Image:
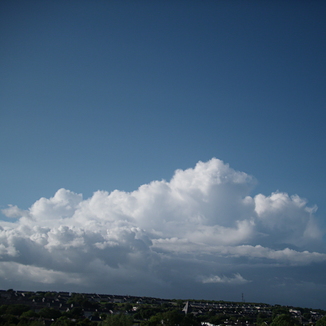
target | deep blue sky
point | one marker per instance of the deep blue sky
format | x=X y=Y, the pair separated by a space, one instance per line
x=104 y=95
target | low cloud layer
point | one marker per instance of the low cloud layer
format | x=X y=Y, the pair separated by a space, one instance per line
x=236 y=279
x=201 y=228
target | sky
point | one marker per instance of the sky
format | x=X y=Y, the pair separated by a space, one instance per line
x=170 y=149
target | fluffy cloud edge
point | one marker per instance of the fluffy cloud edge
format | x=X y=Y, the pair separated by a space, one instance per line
x=204 y=211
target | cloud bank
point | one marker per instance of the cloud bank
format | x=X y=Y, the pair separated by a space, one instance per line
x=200 y=228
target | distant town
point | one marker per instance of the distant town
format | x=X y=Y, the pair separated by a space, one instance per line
x=66 y=308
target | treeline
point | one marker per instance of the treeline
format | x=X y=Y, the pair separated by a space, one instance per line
x=104 y=313
x=22 y=315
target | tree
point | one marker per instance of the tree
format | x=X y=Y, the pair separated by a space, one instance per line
x=9 y=320
x=16 y=309
x=49 y=313
x=153 y=321
x=145 y=312
x=128 y=306
x=63 y=321
x=306 y=315
x=80 y=300
x=172 y=318
x=217 y=319
x=179 y=303
x=29 y=314
x=3 y=309
x=37 y=323
x=75 y=312
x=262 y=318
x=321 y=322
x=117 y=320
x=190 y=320
x=103 y=316
x=84 y=322
x=23 y=321
x=284 y=320
x=280 y=310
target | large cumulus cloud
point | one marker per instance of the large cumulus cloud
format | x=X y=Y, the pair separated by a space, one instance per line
x=202 y=226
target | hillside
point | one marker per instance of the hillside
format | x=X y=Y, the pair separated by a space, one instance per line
x=64 y=308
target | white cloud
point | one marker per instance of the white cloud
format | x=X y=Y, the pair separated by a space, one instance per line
x=285 y=256
x=287 y=218
x=36 y=274
x=14 y=211
x=236 y=279
x=204 y=217
x=62 y=204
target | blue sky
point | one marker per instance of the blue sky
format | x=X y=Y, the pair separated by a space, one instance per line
x=112 y=95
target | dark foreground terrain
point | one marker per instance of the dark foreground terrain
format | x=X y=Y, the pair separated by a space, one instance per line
x=24 y=308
